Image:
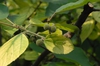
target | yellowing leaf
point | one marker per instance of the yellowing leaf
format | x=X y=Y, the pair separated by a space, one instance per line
x=12 y=49
x=58 y=44
x=58 y=32
x=87 y=28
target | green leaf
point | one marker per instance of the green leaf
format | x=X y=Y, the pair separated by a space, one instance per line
x=58 y=44
x=77 y=55
x=87 y=28
x=31 y=55
x=21 y=3
x=94 y=0
x=20 y=18
x=71 y=5
x=6 y=28
x=36 y=22
x=40 y=15
x=12 y=49
x=55 y=4
x=96 y=16
x=4 y=12
x=59 y=64
x=94 y=35
x=67 y=27
x=34 y=47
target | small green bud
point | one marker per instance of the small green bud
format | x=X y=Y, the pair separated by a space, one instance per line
x=53 y=28
x=47 y=26
x=39 y=42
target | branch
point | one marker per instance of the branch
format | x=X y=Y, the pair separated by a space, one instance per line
x=41 y=57
x=88 y=8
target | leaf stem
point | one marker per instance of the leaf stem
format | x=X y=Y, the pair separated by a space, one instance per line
x=9 y=21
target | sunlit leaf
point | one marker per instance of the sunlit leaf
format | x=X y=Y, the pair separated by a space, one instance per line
x=58 y=44
x=77 y=56
x=45 y=33
x=12 y=49
x=4 y=12
x=58 y=32
x=87 y=28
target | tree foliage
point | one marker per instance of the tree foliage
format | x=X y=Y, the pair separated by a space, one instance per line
x=49 y=33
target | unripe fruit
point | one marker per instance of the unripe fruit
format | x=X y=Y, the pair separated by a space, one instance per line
x=53 y=28
x=39 y=42
x=47 y=27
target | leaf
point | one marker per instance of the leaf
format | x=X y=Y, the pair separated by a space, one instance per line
x=12 y=49
x=67 y=27
x=6 y=28
x=21 y=3
x=58 y=44
x=20 y=18
x=55 y=4
x=71 y=5
x=59 y=64
x=31 y=55
x=46 y=33
x=77 y=55
x=39 y=23
x=4 y=12
x=34 y=47
x=36 y=22
x=87 y=28
x=94 y=0
x=96 y=16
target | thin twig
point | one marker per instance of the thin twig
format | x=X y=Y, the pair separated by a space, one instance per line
x=9 y=21
x=49 y=19
x=37 y=6
x=3 y=23
x=34 y=12
x=21 y=28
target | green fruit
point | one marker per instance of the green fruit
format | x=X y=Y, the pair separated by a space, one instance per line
x=39 y=42
x=47 y=26
x=53 y=28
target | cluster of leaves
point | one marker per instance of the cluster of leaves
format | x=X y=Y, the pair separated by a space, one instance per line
x=28 y=27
